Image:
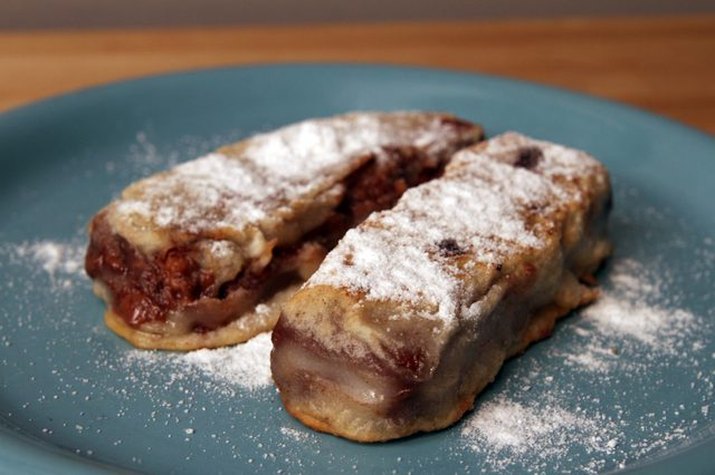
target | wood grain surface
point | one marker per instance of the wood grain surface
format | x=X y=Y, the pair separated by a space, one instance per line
x=663 y=64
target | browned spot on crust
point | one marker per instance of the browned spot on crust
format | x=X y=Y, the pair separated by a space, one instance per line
x=528 y=157
x=449 y=247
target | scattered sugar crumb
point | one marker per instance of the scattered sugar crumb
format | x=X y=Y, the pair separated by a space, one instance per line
x=62 y=262
x=53 y=257
x=626 y=309
x=502 y=429
x=627 y=314
x=246 y=365
x=297 y=435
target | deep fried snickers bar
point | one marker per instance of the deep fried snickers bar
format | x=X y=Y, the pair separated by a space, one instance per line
x=415 y=311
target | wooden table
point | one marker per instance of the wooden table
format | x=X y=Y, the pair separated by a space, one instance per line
x=664 y=64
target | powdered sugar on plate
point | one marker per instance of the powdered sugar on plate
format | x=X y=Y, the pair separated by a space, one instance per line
x=502 y=430
x=627 y=311
x=550 y=411
x=62 y=262
x=246 y=365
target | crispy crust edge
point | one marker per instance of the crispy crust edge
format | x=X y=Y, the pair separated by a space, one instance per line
x=225 y=336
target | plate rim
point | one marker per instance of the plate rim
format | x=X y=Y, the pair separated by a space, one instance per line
x=643 y=113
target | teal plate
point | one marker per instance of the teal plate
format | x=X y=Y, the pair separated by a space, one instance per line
x=627 y=385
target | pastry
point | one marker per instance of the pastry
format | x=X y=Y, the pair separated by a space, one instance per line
x=417 y=308
x=199 y=256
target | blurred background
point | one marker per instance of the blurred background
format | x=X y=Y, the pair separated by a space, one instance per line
x=16 y=14
x=654 y=54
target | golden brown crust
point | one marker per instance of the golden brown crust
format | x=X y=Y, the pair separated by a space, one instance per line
x=259 y=320
x=224 y=336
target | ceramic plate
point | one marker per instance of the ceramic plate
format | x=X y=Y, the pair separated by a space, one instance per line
x=627 y=384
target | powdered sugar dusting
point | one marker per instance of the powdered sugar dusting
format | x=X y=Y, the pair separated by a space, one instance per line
x=242 y=185
x=479 y=204
x=200 y=193
x=304 y=151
